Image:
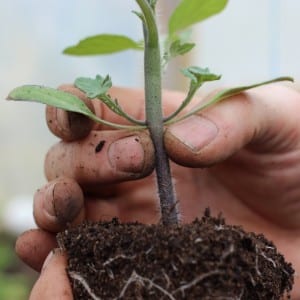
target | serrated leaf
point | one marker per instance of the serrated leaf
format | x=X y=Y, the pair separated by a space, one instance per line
x=179 y=48
x=103 y=44
x=94 y=87
x=199 y=75
x=190 y=12
x=98 y=88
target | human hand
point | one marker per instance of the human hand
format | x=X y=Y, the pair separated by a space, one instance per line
x=249 y=144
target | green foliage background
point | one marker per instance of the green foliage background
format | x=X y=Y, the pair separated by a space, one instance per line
x=15 y=279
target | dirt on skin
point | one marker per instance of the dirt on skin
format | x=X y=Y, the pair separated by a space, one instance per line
x=203 y=260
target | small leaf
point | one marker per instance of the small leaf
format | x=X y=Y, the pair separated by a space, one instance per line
x=179 y=48
x=98 y=88
x=103 y=44
x=152 y=3
x=190 y=12
x=177 y=44
x=94 y=87
x=199 y=75
x=139 y=15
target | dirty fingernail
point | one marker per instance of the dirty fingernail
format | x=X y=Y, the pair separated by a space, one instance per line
x=63 y=200
x=195 y=132
x=127 y=155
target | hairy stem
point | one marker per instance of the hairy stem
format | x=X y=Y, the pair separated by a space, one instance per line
x=154 y=115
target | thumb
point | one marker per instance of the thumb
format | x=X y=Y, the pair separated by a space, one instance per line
x=53 y=282
x=255 y=118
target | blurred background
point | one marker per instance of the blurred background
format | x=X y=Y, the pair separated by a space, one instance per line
x=251 y=40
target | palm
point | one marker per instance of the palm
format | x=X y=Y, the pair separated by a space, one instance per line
x=237 y=188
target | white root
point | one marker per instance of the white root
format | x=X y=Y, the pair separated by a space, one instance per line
x=83 y=282
x=142 y=280
x=167 y=279
x=196 y=281
x=121 y=256
x=256 y=263
x=268 y=259
x=228 y=252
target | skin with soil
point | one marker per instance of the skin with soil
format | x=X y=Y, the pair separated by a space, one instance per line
x=206 y=259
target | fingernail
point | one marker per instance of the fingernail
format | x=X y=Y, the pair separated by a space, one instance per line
x=127 y=155
x=48 y=201
x=47 y=260
x=63 y=200
x=195 y=132
x=52 y=253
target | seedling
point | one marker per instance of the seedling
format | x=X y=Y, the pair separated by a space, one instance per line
x=185 y=15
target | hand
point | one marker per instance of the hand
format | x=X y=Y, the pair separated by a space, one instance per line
x=240 y=157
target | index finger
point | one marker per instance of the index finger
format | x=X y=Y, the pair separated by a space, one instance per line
x=53 y=282
x=71 y=126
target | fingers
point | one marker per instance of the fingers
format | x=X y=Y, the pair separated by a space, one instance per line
x=72 y=126
x=33 y=246
x=102 y=157
x=69 y=125
x=255 y=119
x=58 y=204
x=53 y=282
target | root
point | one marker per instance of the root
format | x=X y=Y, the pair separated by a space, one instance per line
x=198 y=240
x=83 y=282
x=196 y=281
x=137 y=278
x=168 y=280
x=121 y=256
x=256 y=263
x=268 y=259
x=229 y=251
x=259 y=252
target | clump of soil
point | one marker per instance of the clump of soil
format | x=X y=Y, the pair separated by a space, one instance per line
x=206 y=259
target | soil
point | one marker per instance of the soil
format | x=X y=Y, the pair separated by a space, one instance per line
x=206 y=259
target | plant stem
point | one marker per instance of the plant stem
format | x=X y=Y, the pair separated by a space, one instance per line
x=154 y=115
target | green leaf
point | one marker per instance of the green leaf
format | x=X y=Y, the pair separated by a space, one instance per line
x=177 y=44
x=152 y=3
x=229 y=93
x=59 y=99
x=199 y=75
x=103 y=44
x=98 y=88
x=190 y=12
x=140 y=16
x=50 y=96
x=179 y=48
x=94 y=87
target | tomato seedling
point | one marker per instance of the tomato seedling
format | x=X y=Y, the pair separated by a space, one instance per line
x=185 y=15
